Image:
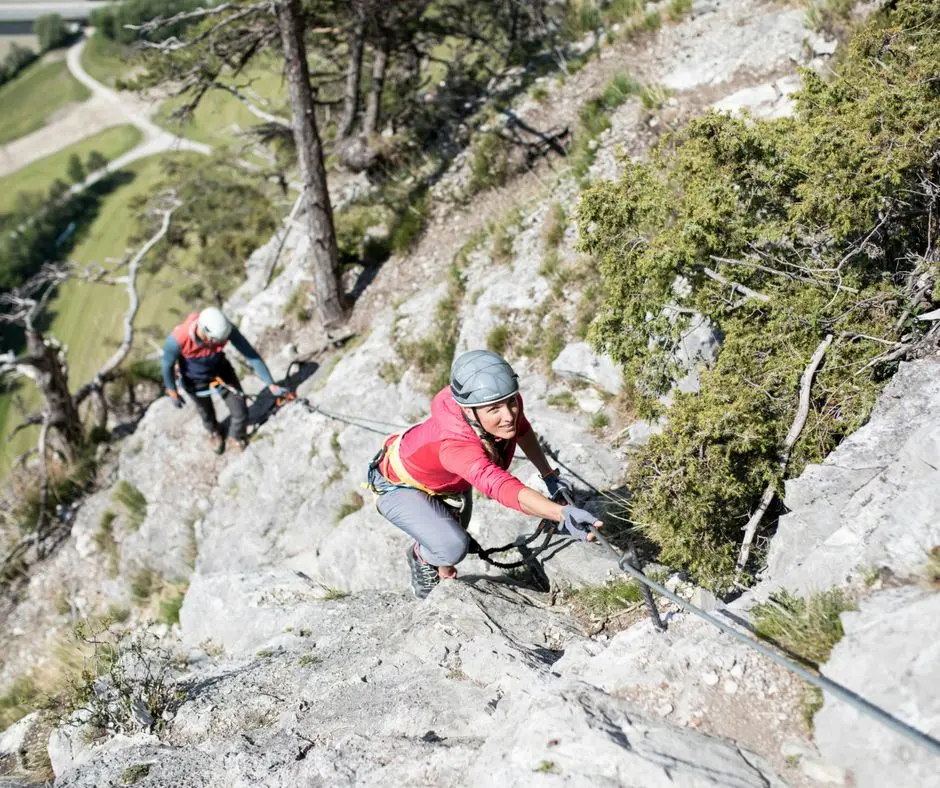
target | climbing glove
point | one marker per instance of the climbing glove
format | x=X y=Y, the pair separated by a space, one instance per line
x=577 y=522
x=177 y=399
x=555 y=484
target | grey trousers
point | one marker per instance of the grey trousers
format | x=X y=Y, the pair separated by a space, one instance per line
x=439 y=529
x=236 y=405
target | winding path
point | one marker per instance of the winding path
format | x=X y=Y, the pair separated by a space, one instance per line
x=105 y=108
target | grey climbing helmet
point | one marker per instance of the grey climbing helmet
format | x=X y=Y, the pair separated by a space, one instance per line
x=479 y=377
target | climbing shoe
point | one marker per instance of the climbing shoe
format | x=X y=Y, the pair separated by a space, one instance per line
x=217 y=442
x=423 y=576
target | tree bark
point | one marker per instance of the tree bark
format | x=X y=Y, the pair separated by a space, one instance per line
x=370 y=123
x=353 y=78
x=51 y=377
x=324 y=260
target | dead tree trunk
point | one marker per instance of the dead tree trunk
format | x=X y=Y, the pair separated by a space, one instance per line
x=324 y=260
x=50 y=373
x=353 y=78
x=370 y=123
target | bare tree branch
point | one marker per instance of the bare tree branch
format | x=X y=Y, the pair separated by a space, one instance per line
x=745 y=291
x=29 y=421
x=184 y=16
x=133 y=299
x=252 y=108
x=806 y=384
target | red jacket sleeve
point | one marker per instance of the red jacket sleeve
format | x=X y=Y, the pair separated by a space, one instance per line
x=470 y=461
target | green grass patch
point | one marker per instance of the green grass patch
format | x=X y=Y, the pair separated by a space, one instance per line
x=108 y=61
x=144 y=584
x=490 y=165
x=38 y=92
x=603 y=600
x=39 y=175
x=334 y=593
x=563 y=400
x=553 y=227
x=411 y=223
x=134 y=774
x=18 y=701
x=931 y=570
x=806 y=627
x=134 y=503
x=105 y=543
x=221 y=120
x=497 y=340
x=351 y=504
x=679 y=8
x=169 y=608
x=433 y=354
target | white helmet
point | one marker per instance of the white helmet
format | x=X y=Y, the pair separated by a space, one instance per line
x=214 y=324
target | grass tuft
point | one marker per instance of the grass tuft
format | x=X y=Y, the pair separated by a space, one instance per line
x=808 y=628
x=134 y=774
x=134 y=503
x=352 y=503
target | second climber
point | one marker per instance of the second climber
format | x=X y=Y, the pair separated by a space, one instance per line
x=197 y=347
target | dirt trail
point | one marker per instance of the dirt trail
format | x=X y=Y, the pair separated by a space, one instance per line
x=105 y=108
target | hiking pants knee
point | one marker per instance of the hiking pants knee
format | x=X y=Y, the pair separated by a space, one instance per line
x=437 y=528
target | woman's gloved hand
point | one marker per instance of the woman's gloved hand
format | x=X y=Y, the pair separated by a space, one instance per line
x=555 y=484
x=578 y=523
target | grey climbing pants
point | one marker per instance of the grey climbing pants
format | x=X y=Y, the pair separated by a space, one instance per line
x=236 y=405
x=438 y=528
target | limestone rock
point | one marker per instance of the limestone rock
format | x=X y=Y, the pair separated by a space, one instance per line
x=579 y=362
x=871 y=502
x=374 y=689
x=890 y=655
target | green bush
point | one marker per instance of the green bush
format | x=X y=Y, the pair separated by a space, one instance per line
x=18 y=58
x=827 y=216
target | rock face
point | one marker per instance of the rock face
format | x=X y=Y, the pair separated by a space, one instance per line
x=890 y=654
x=375 y=690
x=579 y=362
x=872 y=503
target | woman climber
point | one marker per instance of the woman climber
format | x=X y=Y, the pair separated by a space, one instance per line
x=468 y=442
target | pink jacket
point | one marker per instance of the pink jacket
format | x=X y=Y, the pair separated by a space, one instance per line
x=445 y=455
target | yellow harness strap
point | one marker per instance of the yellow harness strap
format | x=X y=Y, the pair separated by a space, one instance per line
x=394 y=459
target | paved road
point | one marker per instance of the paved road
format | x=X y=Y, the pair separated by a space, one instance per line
x=21 y=11
x=104 y=109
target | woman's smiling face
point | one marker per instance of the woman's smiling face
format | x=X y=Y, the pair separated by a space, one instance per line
x=499 y=419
